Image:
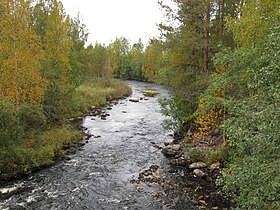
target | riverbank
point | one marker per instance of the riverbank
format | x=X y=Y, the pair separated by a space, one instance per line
x=39 y=147
x=201 y=164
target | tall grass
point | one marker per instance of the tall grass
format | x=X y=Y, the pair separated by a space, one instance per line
x=96 y=92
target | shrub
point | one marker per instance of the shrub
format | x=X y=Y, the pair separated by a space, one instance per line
x=10 y=129
x=31 y=117
x=177 y=113
x=58 y=137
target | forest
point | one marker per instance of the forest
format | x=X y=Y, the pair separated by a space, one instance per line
x=221 y=58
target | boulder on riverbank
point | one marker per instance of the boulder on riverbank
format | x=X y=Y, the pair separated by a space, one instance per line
x=199 y=173
x=197 y=165
x=171 y=150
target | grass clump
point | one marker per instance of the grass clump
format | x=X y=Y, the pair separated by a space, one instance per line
x=206 y=154
x=150 y=93
x=96 y=92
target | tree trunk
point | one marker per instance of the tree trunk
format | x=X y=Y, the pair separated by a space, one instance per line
x=206 y=36
x=222 y=6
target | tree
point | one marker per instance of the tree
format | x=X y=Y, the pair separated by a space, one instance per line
x=97 y=61
x=136 y=56
x=20 y=55
x=250 y=27
x=78 y=35
x=56 y=65
x=152 y=61
x=249 y=84
x=119 y=57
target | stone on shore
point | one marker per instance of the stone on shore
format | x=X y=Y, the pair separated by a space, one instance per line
x=171 y=150
x=199 y=173
x=197 y=165
x=215 y=166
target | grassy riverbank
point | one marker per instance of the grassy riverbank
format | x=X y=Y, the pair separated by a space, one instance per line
x=28 y=140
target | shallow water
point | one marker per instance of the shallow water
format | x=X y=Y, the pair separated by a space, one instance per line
x=99 y=176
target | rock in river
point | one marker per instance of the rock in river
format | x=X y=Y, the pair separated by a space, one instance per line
x=134 y=99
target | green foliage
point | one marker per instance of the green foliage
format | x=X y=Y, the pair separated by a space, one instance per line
x=150 y=93
x=252 y=125
x=58 y=137
x=152 y=61
x=9 y=127
x=194 y=154
x=205 y=154
x=95 y=92
x=175 y=109
x=78 y=35
x=16 y=158
x=31 y=117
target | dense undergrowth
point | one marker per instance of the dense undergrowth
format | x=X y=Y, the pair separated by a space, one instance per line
x=28 y=139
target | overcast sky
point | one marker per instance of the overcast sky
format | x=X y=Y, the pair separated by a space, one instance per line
x=108 y=19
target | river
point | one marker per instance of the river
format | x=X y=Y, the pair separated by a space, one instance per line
x=104 y=174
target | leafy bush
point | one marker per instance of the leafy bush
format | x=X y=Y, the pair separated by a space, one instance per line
x=58 y=137
x=16 y=158
x=194 y=154
x=31 y=116
x=208 y=155
x=10 y=129
x=177 y=112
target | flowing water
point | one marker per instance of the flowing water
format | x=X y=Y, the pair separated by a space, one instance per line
x=104 y=173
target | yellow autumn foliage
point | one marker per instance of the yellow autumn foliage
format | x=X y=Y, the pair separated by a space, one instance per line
x=20 y=54
x=209 y=121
